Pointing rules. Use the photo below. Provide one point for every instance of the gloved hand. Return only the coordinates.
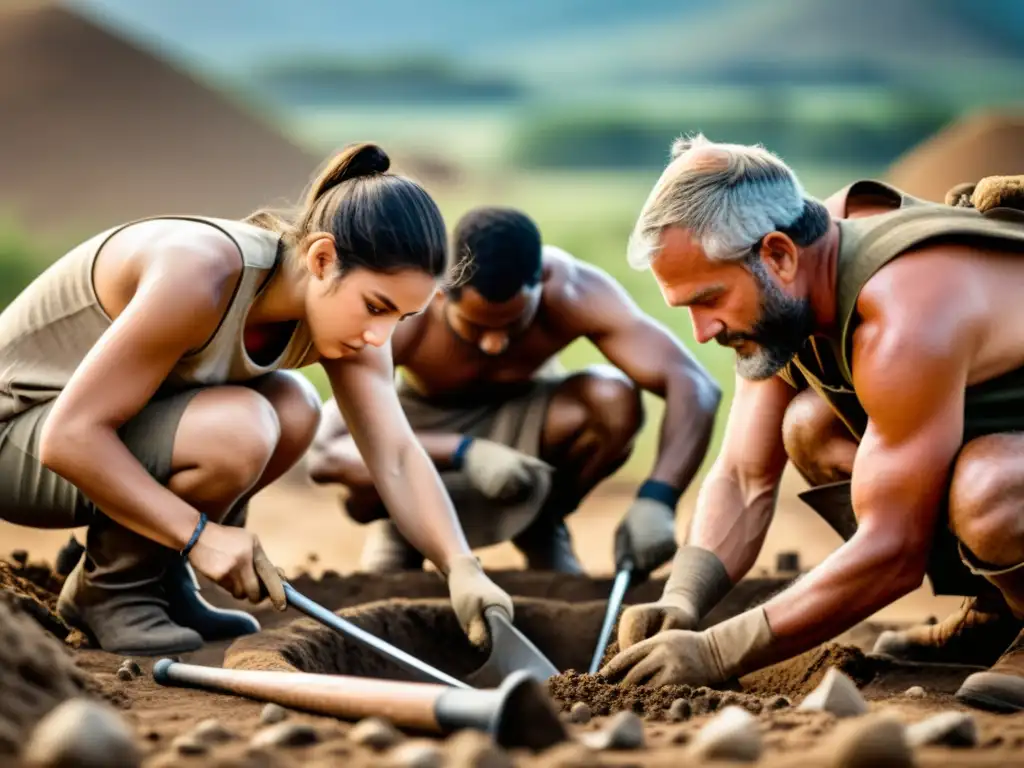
(499, 472)
(697, 583)
(646, 536)
(472, 592)
(679, 657)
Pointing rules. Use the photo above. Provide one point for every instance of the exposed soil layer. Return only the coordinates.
(36, 674)
(32, 588)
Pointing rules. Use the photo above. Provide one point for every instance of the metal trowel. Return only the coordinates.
(511, 651)
(622, 578)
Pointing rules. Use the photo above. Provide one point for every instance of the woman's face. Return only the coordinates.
(362, 307)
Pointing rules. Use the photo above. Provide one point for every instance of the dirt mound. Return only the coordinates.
(800, 675)
(36, 674)
(32, 588)
(604, 698)
(985, 144)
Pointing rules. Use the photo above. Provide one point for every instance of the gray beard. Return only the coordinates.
(780, 331)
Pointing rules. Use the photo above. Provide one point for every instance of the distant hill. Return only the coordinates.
(753, 42)
(232, 35)
(748, 42)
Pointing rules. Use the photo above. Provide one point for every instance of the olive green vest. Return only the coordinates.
(868, 244)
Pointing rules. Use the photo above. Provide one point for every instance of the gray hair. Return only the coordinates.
(731, 201)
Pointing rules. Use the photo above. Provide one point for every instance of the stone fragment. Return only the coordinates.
(80, 733)
(679, 710)
(950, 729)
(733, 734)
(415, 753)
(875, 741)
(914, 692)
(211, 731)
(273, 713)
(376, 733)
(188, 744)
(624, 731)
(580, 713)
(836, 694)
(473, 749)
(286, 735)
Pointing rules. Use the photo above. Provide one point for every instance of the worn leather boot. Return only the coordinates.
(1001, 688)
(115, 596)
(387, 551)
(547, 546)
(975, 635)
(187, 607)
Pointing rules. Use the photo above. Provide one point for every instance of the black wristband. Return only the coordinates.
(195, 535)
(459, 455)
(659, 491)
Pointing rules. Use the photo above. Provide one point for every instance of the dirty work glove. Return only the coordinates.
(471, 593)
(696, 585)
(646, 536)
(680, 657)
(271, 578)
(497, 471)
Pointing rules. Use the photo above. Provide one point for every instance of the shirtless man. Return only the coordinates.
(519, 441)
(877, 339)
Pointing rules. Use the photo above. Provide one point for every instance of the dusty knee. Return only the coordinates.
(232, 442)
(297, 405)
(985, 499)
(612, 404)
(816, 441)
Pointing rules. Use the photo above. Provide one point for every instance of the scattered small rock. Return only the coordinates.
(132, 666)
(81, 733)
(286, 735)
(273, 713)
(914, 692)
(779, 702)
(731, 735)
(376, 733)
(415, 753)
(125, 674)
(624, 731)
(679, 710)
(580, 713)
(836, 694)
(212, 732)
(188, 744)
(875, 741)
(951, 729)
(20, 556)
(473, 749)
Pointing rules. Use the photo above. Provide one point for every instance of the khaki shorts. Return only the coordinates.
(34, 496)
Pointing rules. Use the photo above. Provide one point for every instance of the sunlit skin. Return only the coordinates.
(913, 354)
(491, 326)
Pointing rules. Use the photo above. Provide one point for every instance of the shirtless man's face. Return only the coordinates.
(490, 326)
(738, 304)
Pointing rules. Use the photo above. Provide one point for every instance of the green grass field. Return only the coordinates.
(591, 215)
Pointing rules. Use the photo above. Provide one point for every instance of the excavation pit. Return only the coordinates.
(565, 632)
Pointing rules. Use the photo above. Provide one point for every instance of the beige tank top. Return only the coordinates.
(47, 331)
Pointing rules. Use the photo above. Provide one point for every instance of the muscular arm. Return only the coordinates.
(407, 481)
(645, 351)
(737, 499)
(175, 307)
(911, 360)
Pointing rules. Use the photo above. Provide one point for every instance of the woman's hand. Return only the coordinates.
(234, 559)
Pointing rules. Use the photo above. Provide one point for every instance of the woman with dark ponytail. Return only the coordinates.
(147, 391)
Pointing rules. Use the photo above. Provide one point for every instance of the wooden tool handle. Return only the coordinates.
(410, 705)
